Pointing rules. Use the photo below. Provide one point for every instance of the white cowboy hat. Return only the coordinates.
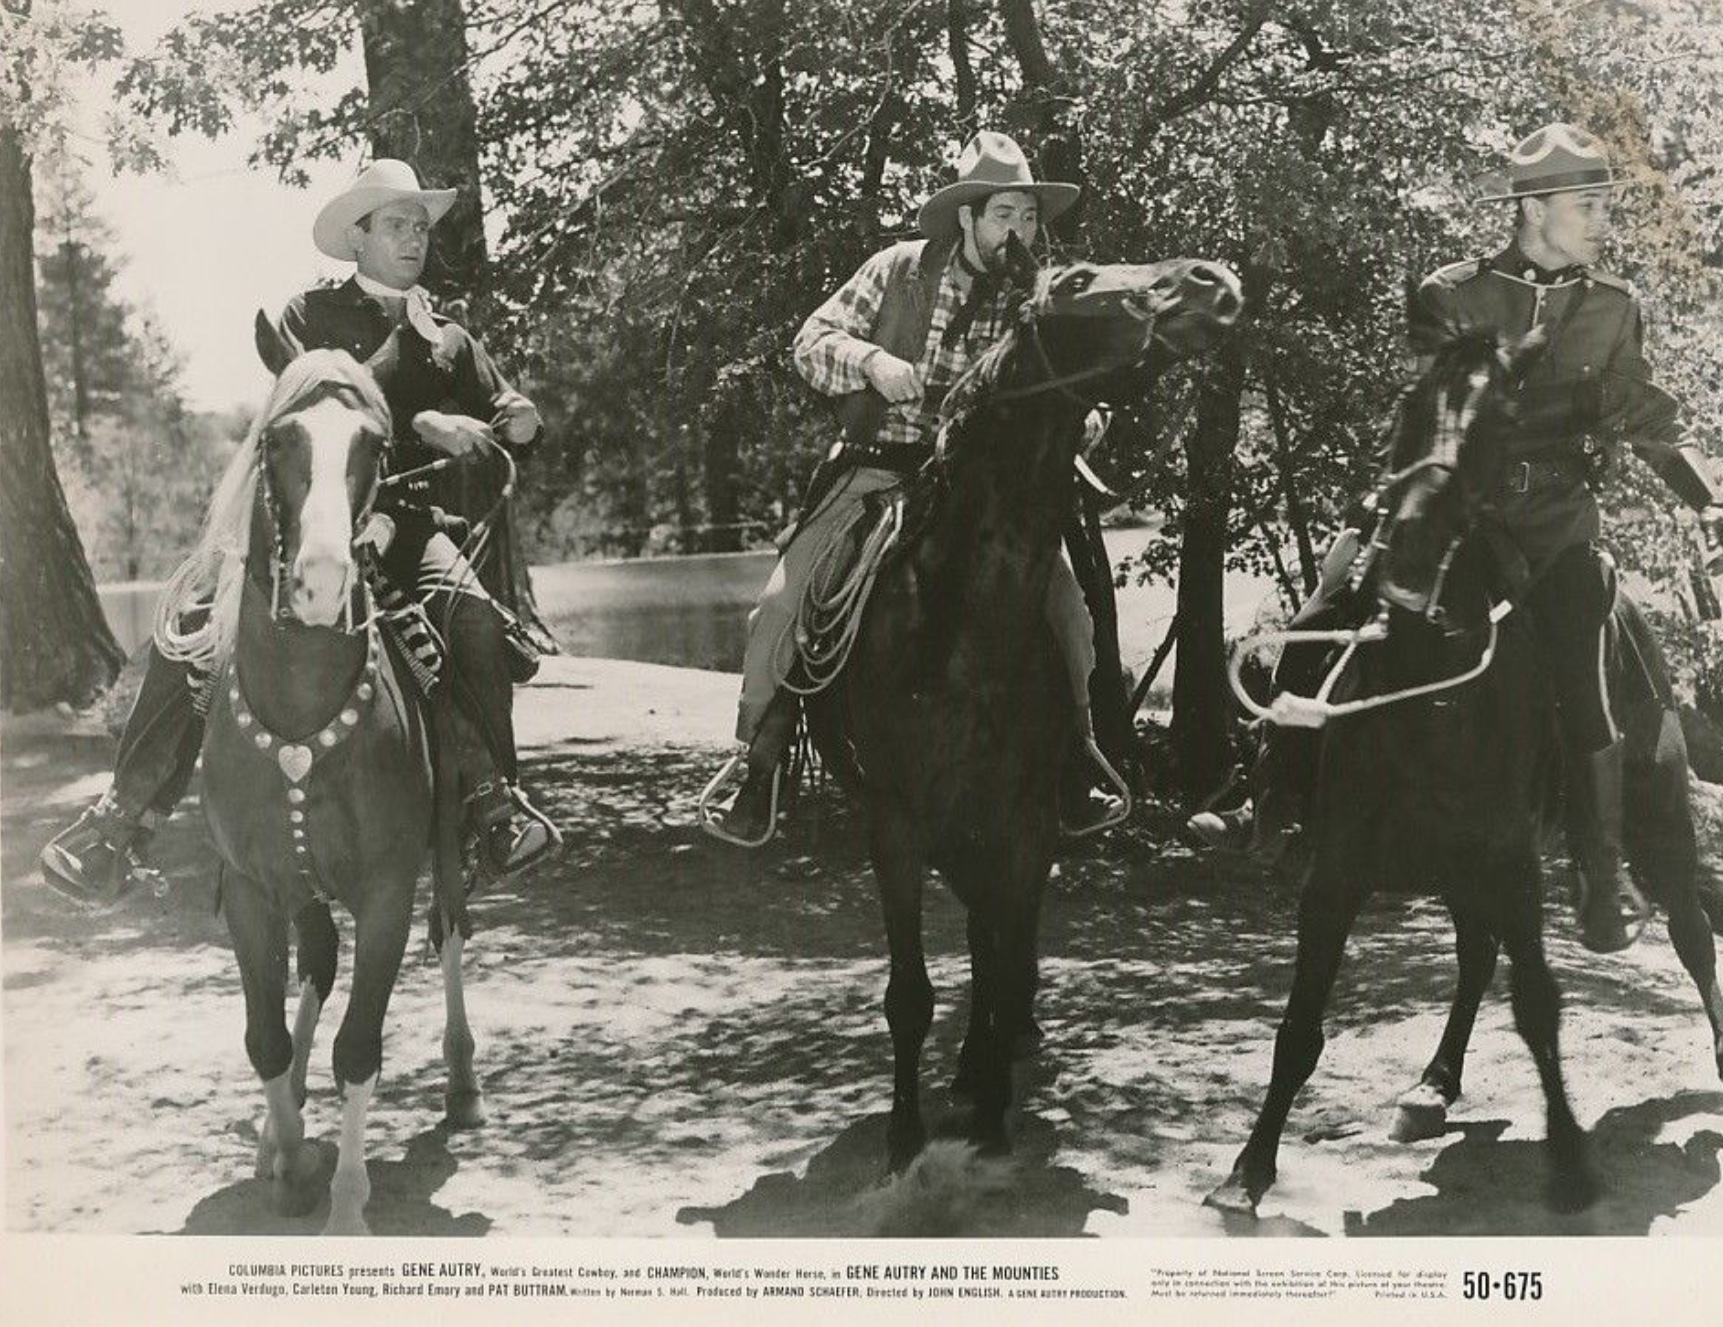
(990, 164)
(385, 180)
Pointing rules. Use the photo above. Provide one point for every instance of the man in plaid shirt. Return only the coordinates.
(888, 346)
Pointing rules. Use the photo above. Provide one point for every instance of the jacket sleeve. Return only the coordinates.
(835, 343)
(1650, 420)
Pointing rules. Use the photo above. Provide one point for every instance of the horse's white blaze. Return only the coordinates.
(323, 569)
(350, 1186)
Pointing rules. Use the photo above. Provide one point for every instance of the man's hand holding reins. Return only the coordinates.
(459, 436)
(893, 378)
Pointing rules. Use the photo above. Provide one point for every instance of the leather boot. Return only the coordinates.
(513, 833)
(97, 859)
(747, 820)
(1594, 841)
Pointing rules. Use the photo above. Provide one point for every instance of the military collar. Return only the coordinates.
(1513, 264)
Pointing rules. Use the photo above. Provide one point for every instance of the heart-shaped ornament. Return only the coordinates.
(295, 761)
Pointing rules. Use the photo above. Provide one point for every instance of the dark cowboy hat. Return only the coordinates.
(385, 180)
(1556, 158)
(990, 164)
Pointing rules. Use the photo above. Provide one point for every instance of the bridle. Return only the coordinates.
(361, 522)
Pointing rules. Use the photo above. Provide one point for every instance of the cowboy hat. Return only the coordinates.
(1556, 158)
(990, 164)
(385, 180)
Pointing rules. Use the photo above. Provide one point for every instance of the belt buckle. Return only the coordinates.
(1520, 477)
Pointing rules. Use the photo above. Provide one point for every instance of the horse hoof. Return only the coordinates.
(1233, 1198)
(465, 1109)
(1419, 1114)
(903, 1144)
(294, 1187)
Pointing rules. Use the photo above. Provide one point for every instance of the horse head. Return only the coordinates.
(1103, 324)
(320, 439)
(1446, 461)
(1093, 334)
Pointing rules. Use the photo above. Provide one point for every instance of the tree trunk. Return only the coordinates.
(1060, 145)
(54, 642)
(421, 101)
(1201, 706)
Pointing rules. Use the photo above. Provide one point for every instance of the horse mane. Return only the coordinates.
(1422, 429)
(212, 575)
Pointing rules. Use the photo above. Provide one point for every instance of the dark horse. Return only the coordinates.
(953, 714)
(1441, 788)
(317, 777)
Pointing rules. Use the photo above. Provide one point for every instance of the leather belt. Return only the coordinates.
(1523, 476)
(903, 458)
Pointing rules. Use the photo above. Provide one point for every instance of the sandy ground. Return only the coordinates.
(679, 1038)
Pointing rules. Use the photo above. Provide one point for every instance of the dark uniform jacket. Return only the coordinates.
(1588, 391)
(459, 377)
(456, 377)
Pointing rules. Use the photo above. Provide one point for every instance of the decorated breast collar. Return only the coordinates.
(296, 759)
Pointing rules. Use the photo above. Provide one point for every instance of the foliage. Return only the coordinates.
(137, 465)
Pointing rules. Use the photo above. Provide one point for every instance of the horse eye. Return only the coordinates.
(1075, 283)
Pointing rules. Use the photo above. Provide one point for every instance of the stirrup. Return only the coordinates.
(1119, 786)
(712, 822)
(493, 805)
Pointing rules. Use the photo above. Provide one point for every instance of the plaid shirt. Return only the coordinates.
(833, 347)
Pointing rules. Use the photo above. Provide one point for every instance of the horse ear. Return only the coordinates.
(1020, 264)
(274, 347)
(1517, 354)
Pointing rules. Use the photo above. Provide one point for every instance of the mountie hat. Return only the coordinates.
(385, 180)
(991, 163)
(1556, 158)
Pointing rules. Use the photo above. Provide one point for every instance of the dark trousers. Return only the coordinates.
(164, 732)
(1569, 606)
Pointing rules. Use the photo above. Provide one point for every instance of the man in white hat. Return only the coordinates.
(1585, 393)
(447, 398)
(888, 345)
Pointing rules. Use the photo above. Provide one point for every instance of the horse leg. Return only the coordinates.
(380, 938)
(259, 936)
(1015, 980)
(1665, 854)
(318, 946)
(908, 994)
(1514, 887)
(981, 961)
(463, 1097)
(1422, 1111)
(1332, 896)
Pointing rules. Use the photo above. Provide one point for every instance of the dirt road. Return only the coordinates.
(679, 1038)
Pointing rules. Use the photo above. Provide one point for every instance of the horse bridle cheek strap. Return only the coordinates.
(278, 551)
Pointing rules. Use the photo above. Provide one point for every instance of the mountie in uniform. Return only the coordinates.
(1586, 392)
(446, 398)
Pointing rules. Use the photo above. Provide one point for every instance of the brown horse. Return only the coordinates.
(954, 714)
(317, 779)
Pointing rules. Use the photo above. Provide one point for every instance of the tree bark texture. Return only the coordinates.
(55, 644)
(1202, 708)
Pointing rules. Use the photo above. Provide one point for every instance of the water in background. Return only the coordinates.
(693, 611)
